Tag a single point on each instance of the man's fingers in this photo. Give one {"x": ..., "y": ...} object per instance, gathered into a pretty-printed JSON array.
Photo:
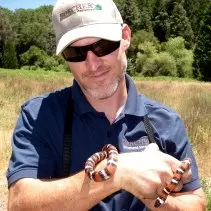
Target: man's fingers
[
  {"x": 186, "y": 178},
  {"x": 182, "y": 174}
]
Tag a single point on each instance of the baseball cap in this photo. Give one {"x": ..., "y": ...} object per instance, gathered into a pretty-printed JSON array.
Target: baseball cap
[{"x": 77, "y": 19}]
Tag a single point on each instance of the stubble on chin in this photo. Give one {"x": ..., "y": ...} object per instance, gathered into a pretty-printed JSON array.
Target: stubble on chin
[{"x": 103, "y": 91}]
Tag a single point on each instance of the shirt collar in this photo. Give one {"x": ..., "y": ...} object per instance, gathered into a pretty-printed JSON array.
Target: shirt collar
[{"x": 134, "y": 104}]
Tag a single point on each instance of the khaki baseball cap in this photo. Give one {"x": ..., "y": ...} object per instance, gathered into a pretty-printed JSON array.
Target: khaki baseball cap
[{"x": 77, "y": 19}]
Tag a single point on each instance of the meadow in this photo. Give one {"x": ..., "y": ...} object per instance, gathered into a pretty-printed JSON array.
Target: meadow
[{"x": 190, "y": 98}]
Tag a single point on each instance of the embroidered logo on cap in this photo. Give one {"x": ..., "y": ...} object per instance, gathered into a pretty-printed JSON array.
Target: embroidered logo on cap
[{"x": 79, "y": 8}]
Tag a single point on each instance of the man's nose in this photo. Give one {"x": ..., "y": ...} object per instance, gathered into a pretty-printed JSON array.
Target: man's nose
[{"x": 92, "y": 61}]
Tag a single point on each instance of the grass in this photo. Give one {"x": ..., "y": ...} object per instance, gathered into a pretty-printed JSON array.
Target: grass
[
  {"x": 190, "y": 98},
  {"x": 192, "y": 101},
  {"x": 18, "y": 85},
  {"x": 38, "y": 74},
  {"x": 163, "y": 78}
]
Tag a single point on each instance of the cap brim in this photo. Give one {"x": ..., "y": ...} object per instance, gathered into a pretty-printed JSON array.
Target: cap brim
[{"x": 103, "y": 31}]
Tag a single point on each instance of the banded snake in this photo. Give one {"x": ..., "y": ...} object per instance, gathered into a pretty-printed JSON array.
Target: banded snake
[{"x": 110, "y": 153}]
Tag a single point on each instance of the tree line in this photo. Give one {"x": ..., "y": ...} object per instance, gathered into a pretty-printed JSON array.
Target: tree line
[{"x": 169, "y": 37}]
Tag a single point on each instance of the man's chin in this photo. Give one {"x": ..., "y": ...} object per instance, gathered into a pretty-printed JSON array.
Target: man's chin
[{"x": 102, "y": 93}]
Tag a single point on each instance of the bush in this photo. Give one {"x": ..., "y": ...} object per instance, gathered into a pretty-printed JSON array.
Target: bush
[
  {"x": 183, "y": 57},
  {"x": 59, "y": 59},
  {"x": 50, "y": 63},
  {"x": 160, "y": 64},
  {"x": 147, "y": 48},
  {"x": 33, "y": 57},
  {"x": 25, "y": 67},
  {"x": 131, "y": 67},
  {"x": 138, "y": 38},
  {"x": 146, "y": 51},
  {"x": 36, "y": 58},
  {"x": 60, "y": 68},
  {"x": 184, "y": 63},
  {"x": 173, "y": 44},
  {"x": 168, "y": 59},
  {"x": 140, "y": 61}
]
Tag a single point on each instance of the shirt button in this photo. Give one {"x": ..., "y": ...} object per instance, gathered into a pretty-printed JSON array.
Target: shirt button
[{"x": 108, "y": 134}]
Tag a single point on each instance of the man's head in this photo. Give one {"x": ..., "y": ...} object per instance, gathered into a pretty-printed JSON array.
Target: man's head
[
  {"x": 77, "y": 19},
  {"x": 93, "y": 39}
]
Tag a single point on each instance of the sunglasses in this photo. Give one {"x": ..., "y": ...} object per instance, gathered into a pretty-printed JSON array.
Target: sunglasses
[{"x": 100, "y": 48}]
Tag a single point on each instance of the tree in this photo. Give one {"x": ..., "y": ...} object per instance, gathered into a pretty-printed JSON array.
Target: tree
[
  {"x": 9, "y": 58},
  {"x": 203, "y": 48},
  {"x": 145, "y": 8},
  {"x": 5, "y": 30},
  {"x": 130, "y": 13},
  {"x": 43, "y": 15},
  {"x": 180, "y": 25},
  {"x": 195, "y": 10},
  {"x": 161, "y": 24},
  {"x": 34, "y": 27},
  {"x": 5, "y": 23}
]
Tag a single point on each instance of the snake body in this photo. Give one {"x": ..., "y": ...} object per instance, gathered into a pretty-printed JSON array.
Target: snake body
[
  {"x": 110, "y": 153},
  {"x": 177, "y": 176}
]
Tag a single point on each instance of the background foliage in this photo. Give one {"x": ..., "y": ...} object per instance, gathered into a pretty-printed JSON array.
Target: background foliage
[{"x": 170, "y": 37}]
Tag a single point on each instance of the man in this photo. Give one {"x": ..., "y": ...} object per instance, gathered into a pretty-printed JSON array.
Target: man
[{"x": 107, "y": 110}]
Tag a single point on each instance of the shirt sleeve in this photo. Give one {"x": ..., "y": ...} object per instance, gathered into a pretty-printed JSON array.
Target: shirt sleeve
[
  {"x": 31, "y": 155},
  {"x": 173, "y": 139}
]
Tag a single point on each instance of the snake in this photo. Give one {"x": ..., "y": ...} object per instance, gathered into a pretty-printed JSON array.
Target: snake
[
  {"x": 110, "y": 153},
  {"x": 177, "y": 176}
]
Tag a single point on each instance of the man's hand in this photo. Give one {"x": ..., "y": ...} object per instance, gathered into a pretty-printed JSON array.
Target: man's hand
[{"x": 145, "y": 174}]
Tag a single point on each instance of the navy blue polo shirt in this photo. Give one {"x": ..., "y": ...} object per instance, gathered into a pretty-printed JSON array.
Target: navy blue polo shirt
[{"x": 38, "y": 137}]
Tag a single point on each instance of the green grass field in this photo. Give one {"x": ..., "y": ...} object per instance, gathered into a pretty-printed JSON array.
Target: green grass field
[{"x": 190, "y": 98}]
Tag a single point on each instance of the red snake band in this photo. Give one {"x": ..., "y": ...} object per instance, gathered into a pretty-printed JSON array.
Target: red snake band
[
  {"x": 108, "y": 152},
  {"x": 177, "y": 176}
]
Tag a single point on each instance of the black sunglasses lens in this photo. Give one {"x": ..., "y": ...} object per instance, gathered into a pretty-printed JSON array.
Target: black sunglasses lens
[
  {"x": 105, "y": 47},
  {"x": 74, "y": 54},
  {"x": 99, "y": 48}
]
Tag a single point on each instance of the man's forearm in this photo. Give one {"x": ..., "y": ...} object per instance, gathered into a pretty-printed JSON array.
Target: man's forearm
[
  {"x": 75, "y": 193},
  {"x": 192, "y": 201},
  {"x": 184, "y": 203}
]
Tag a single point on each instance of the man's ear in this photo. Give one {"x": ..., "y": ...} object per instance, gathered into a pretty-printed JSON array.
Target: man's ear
[{"x": 126, "y": 36}]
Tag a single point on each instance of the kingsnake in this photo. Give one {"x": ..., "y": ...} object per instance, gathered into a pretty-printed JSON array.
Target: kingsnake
[
  {"x": 110, "y": 152},
  {"x": 177, "y": 176}
]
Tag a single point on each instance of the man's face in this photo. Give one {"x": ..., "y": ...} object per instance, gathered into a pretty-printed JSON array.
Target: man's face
[{"x": 99, "y": 77}]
